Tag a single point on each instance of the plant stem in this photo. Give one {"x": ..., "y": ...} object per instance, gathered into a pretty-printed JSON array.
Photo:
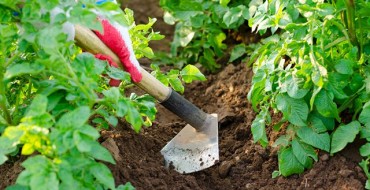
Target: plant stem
[
  {"x": 3, "y": 101},
  {"x": 351, "y": 25},
  {"x": 74, "y": 77}
]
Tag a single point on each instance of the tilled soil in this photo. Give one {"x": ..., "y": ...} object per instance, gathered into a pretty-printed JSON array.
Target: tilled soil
[{"x": 243, "y": 164}]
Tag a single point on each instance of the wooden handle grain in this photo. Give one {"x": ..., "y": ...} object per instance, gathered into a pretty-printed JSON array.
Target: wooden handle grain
[{"x": 88, "y": 41}]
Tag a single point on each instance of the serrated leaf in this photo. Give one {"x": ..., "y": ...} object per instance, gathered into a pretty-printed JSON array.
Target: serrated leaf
[
  {"x": 318, "y": 140},
  {"x": 295, "y": 110},
  {"x": 237, "y": 52},
  {"x": 191, "y": 73},
  {"x": 288, "y": 163},
  {"x": 102, "y": 173},
  {"x": 343, "y": 135}
]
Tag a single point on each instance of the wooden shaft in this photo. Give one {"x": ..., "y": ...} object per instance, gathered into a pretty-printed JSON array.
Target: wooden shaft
[{"x": 88, "y": 41}]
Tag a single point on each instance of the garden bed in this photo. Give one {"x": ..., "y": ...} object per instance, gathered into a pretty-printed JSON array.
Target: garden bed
[{"x": 243, "y": 164}]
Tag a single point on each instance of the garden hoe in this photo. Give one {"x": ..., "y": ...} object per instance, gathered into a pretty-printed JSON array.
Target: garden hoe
[{"x": 195, "y": 147}]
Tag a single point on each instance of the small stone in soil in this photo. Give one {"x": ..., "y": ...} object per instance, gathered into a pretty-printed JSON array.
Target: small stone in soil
[
  {"x": 224, "y": 168},
  {"x": 324, "y": 157},
  {"x": 345, "y": 173}
]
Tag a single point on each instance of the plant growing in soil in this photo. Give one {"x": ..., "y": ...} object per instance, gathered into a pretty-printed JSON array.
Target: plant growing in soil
[
  {"x": 314, "y": 70},
  {"x": 54, "y": 99},
  {"x": 201, "y": 28}
]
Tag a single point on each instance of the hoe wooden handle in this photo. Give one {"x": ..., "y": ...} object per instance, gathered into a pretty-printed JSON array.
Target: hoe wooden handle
[
  {"x": 170, "y": 99},
  {"x": 88, "y": 41}
]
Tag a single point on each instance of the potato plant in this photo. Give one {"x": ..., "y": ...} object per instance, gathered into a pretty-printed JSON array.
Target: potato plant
[{"x": 313, "y": 69}]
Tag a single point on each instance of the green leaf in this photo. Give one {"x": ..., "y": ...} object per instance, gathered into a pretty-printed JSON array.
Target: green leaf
[
  {"x": 304, "y": 153},
  {"x": 364, "y": 116},
  {"x": 176, "y": 84},
  {"x": 17, "y": 187},
  {"x": 122, "y": 107},
  {"x": 224, "y": 2},
  {"x": 38, "y": 106},
  {"x": 325, "y": 104},
  {"x": 127, "y": 186},
  {"x": 318, "y": 140},
  {"x": 89, "y": 131},
  {"x": 365, "y": 150},
  {"x": 102, "y": 173},
  {"x": 294, "y": 88},
  {"x": 275, "y": 174},
  {"x": 190, "y": 73},
  {"x": 283, "y": 140},
  {"x": 344, "y": 66},
  {"x": 82, "y": 142},
  {"x": 295, "y": 110},
  {"x": 288, "y": 163},
  {"x": 258, "y": 129},
  {"x": 320, "y": 123},
  {"x": 234, "y": 16},
  {"x": 118, "y": 74},
  {"x": 75, "y": 118},
  {"x": 343, "y": 135},
  {"x": 97, "y": 151},
  {"x": 134, "y": 118},
  {"x": 237, "y": 52},
  {"x": 44, "y": 181},
  {"x": 24, "y": 68},
  {"x": 112, "y": 94},
  {"x": 3, "y": 158}
]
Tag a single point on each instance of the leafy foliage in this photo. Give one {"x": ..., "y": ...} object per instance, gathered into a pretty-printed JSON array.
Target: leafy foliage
[
  {"x": 175, "y": 78},
  {"x": 314, "y": 70},
  {"x": 201, "y": 29},
  {"x": 51, "y": 94}
]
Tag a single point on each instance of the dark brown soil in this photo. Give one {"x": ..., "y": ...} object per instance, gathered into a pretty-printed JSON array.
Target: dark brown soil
[{"x": 243, "y": 164}]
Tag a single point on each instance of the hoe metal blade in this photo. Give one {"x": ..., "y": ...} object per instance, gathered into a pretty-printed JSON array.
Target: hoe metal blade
[{"x": 193, "y": 149}]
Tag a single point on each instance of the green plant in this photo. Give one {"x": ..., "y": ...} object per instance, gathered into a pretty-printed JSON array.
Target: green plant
[
  {"x": 51, "y": 94},
  {"x": 315, "y": 70},
  {"x": 201, "y": 28}
]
